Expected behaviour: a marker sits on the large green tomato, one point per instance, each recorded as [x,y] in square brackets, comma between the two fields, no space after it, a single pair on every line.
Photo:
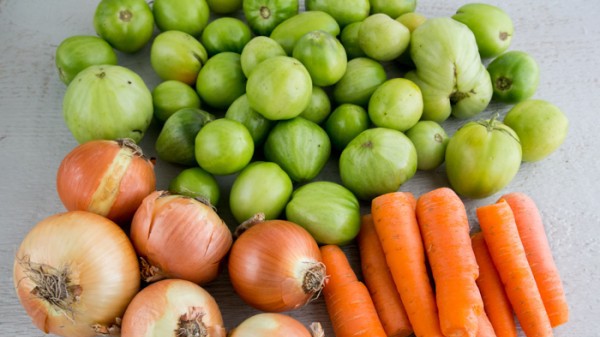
[383,38]
[107,102]
[449,70]
[363,75]
[344,12]
[328,211]
[225,34]
[279,88]
[396,104]
[194,182]
[492,27]
[224,6]
[291,30]
[393,8]
[188,16]
[76,53]
[264,15]
[515,76]
[126,24]
[221,81]
[377,161]
[346,122]
[430,140]
[170,96]
[177,56]
[223,147]
[299,146]
[323,56]
[541,126]
[257,125]
[257,50]
[482,158]
[261,187]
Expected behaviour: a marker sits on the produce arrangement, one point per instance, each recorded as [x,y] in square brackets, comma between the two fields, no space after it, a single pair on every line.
[270,94]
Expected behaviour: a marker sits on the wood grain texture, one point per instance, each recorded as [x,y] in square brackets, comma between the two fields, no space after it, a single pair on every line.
[564,37]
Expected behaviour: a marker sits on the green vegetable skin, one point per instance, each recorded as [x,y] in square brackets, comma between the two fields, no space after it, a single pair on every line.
[257,125]
[170,96]
[449,70]
[346,122]
[194,182]
[264,15]
[344,12]
[393,8]
[221,81]
[430,140]
[76,53]
[383,38]
[515,76]
[363,76]
[188,16]
[126,24]
[225,34]
[323,56]
[257,50]
[291,30]
[177,56]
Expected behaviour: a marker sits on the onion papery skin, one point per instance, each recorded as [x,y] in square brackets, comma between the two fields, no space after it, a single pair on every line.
[179,237]
[99,260]
[106,177]
[158,308]
[268,263]
[270,325]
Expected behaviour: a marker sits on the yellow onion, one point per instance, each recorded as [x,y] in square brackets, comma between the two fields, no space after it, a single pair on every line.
[179,237]
[176,308]
[75,273]
[106,177]
[276,266]
[275,325]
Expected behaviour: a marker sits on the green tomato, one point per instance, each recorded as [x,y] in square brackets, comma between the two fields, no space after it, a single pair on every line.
[194,182]
[262,187]
[107,102]
[279,88]
[396,104]
[171,96]
[383,38]
[299,146]
[177,56]
[515,76]
[221,81]
[224,6]
[344,12]
[76,53]
[188,16]
[430,140]
[349,39]
[377,161]
[393,8]
[223,146]
[288,32]
[328,211]
[257,125]
[264,15]
[362,77]
[411,21]
[541,126]
[346,122]
[126,24]
[482,158]
[492,26]
[225,34]
[257,50]
[319,107]
[176,140]
[323,56]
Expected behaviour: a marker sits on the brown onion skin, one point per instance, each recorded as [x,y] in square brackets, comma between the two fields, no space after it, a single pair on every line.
[266,264]
[181,236]
[82,170]
[272,325]
[156,309]
[101,261]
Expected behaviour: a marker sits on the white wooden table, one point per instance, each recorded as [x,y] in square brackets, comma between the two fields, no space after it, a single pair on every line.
[564,37]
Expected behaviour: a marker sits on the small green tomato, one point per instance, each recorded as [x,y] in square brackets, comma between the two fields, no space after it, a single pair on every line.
[194,182]
[223,147]
[396,104]
[430,140]
[515,76]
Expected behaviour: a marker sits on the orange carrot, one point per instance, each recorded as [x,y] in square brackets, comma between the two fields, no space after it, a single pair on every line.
[534,239]
[485,328]
[506,249]
[396,225]
[444,226]
[380,283]
[350,307]
[496,304]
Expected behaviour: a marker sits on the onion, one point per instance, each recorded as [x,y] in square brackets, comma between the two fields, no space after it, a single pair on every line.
[276,266]
[274,325]
[106,177]
[175,308]
[179,237]
[75,273]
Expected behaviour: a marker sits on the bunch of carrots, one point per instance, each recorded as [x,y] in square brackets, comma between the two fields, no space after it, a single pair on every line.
[479,284]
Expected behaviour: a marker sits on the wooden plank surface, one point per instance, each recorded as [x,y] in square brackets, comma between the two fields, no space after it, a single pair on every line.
[564,37]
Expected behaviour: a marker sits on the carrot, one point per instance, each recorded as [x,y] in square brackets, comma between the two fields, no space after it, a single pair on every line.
[485,328]
[496,304]
[534,239]
[444,226]
[380,283]
[396,225]
[350,307]
[506,249]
